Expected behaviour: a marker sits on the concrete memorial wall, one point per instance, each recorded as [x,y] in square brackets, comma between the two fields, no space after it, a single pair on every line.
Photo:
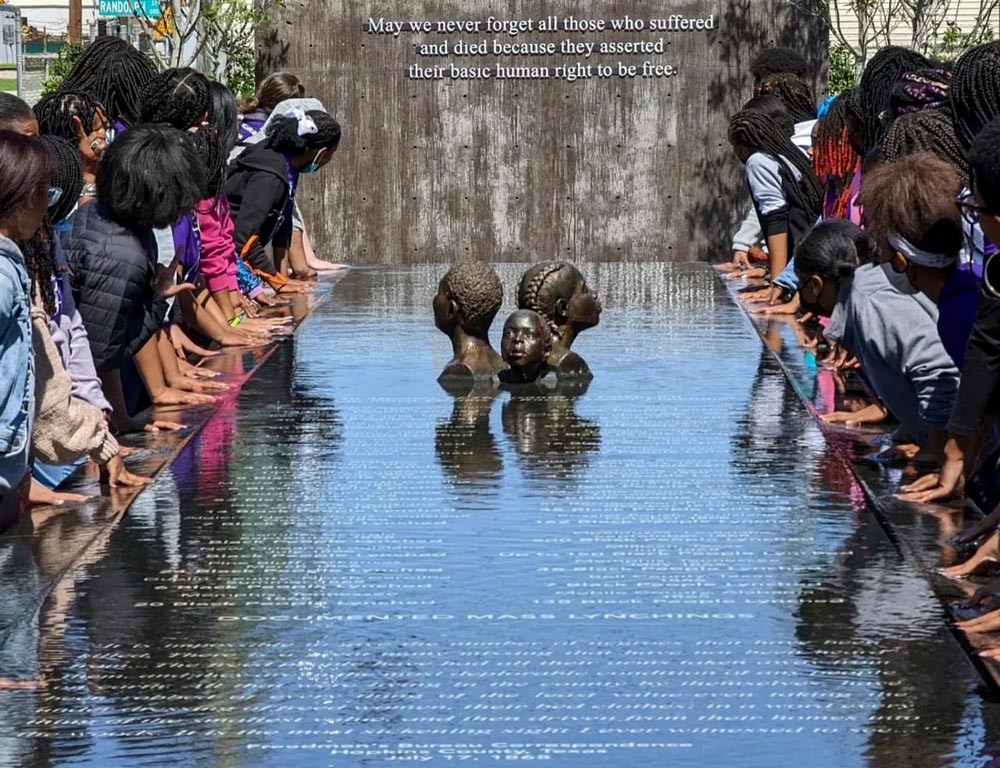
[528,130]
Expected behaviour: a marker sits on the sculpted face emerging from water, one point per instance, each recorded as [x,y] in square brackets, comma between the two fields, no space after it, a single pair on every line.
[559,293]
[468,299]
[526,346]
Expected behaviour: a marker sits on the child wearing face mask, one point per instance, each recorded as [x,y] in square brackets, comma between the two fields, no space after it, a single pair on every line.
[262,182]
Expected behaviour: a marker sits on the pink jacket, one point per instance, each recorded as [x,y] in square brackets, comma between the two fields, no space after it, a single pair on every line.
[218,254]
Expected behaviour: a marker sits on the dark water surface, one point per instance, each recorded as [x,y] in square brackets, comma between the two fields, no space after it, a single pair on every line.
[348,567]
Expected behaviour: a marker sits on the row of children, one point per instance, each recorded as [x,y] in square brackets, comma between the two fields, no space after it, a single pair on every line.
[876,215]
[144,218]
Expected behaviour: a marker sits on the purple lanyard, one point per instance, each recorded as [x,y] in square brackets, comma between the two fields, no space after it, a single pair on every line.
[57,292]
[293,180]
[191,270]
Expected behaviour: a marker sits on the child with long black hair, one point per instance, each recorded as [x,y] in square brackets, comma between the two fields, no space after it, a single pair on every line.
[748,236]
[871,99]
[836,163]
[786,193]
[262,183]
[220,266]
[115,74]
[76,116]
[180,98]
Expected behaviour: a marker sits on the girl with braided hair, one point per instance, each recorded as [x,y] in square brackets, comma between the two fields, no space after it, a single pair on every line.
[77,117]
[796,95]
[933,131]
[748,236]
[262,183]
[558,292]
[975,91]
[920,90]
[775,61]
[786,193]
[870,103]
[176,97]
[115,74]
[837,164]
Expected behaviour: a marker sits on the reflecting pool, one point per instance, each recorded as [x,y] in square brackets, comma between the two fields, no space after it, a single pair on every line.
[351,567]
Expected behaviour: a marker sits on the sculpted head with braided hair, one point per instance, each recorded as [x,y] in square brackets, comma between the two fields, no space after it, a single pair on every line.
[468,298]
[559,293]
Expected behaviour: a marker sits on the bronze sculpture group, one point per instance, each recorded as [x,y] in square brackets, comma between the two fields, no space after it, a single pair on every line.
[554,306]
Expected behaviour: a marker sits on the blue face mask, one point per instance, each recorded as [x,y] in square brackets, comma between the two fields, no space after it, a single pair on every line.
[314,165]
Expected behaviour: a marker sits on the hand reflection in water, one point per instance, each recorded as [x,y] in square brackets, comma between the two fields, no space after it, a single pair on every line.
[550,438]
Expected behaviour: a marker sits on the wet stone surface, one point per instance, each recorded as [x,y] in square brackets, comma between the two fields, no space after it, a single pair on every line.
[350,567]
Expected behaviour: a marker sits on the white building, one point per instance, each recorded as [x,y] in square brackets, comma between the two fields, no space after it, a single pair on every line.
[52,16]
[965,16]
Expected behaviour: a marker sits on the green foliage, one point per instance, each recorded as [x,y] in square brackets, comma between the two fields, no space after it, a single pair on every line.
[232,25]
[61,67]
[240,74]
[841,70]
[952,41]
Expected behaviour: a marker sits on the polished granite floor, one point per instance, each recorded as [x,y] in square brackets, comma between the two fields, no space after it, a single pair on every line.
[349,567]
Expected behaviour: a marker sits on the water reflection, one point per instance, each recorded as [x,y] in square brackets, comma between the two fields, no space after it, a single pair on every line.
[351,567]
[862,610]
[465,445]
[552,441]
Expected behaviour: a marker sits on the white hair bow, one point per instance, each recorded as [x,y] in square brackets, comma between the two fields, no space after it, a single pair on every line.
[305,123]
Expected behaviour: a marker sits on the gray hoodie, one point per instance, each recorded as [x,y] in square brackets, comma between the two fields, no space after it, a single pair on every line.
[895,338]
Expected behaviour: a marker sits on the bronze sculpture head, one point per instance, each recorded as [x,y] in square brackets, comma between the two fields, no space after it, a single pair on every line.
[468,298]
[559,293]
[525,346]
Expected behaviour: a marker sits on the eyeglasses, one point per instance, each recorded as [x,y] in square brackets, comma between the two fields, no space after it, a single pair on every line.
[53,195]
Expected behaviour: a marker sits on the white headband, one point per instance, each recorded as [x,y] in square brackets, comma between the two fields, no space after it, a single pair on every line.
[917,255]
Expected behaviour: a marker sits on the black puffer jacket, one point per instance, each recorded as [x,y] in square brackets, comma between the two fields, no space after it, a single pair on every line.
[112,270]
[258,193]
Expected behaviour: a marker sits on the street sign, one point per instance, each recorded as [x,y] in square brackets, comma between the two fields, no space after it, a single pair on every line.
[109,9]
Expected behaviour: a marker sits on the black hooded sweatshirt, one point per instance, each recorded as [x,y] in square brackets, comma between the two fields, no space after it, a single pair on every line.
[259,194]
